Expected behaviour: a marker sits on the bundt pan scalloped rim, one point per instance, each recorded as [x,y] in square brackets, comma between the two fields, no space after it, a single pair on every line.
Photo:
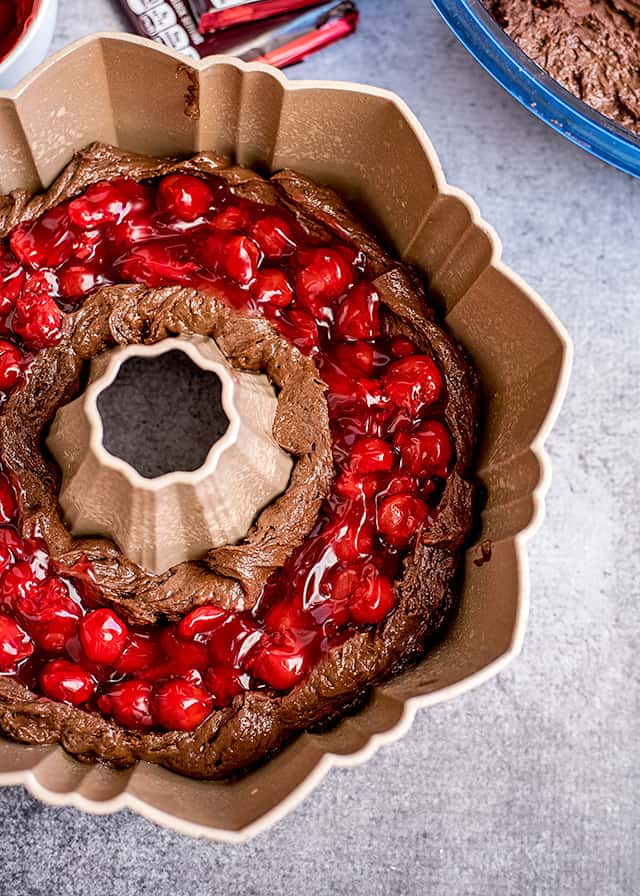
[146,98]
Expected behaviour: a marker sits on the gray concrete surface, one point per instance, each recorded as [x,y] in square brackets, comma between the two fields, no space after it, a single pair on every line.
[530,784]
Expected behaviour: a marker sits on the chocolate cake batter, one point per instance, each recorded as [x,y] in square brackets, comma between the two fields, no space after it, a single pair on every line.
[591,47]
[258,722]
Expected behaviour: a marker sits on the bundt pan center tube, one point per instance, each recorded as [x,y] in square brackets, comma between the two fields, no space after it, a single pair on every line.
[366,144]
[166,520]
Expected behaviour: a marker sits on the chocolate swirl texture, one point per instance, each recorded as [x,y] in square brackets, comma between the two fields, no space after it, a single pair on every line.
[589,46]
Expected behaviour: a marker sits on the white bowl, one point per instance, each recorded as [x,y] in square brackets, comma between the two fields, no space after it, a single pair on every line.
[32,46]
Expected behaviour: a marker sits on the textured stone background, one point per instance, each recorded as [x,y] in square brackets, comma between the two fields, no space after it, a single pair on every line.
[530,784]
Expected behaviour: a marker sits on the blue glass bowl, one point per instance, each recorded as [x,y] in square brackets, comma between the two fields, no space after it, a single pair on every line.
[530,85]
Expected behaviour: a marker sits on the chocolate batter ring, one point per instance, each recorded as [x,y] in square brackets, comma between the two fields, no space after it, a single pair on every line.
[258,722]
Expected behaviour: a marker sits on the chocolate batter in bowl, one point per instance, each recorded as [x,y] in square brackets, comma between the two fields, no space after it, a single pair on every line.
[573,64]
[591,47]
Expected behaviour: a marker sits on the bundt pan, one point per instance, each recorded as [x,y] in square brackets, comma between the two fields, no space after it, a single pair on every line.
[367,144]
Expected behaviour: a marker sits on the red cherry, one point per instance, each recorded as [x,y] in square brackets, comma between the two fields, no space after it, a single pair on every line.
[325,278]
[83,577]
[11,273]
[345,392]
[401,347]
[40,284]
[136,228]
[11,541]
[45,243]
[77,280]
[241,259]
[272,286]
[400,483]
[48,612]
[372,598]
[234,642]
[225,684]
[354,539]
[210,250]
[103,636]
[413,383]
[274,235]
[427,487]
[8,298]
[232,217]
[183,655]
[13,282]
[15,645]
[358,317]
[301,330]
[342,585]
[345,582]
[399,517]
[18,582]
[156,264]
[8,503]
[39,558]
[90,246]
[427,451]
[129,703]
[371,455]
[66,682]
[184,196]
[99,204]
[140,654]
[351,485]
[283,662]
[11,364]
[349,424]
[181,706]
[186,659]
[331,614]
[6,559]
[106,202]
[236,256]
[6,307]
[355,357]
[201,621]
[286,614]
[342,387]
[400,420]
[356,258]
[38,321]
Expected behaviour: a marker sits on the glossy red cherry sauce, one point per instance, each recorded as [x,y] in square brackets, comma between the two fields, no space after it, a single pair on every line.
[15,17]
[391,450]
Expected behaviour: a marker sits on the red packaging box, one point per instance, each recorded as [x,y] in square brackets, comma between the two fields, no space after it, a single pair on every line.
[215,15]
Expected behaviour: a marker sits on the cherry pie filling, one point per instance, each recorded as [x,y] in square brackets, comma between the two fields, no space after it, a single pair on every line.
[392,451]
